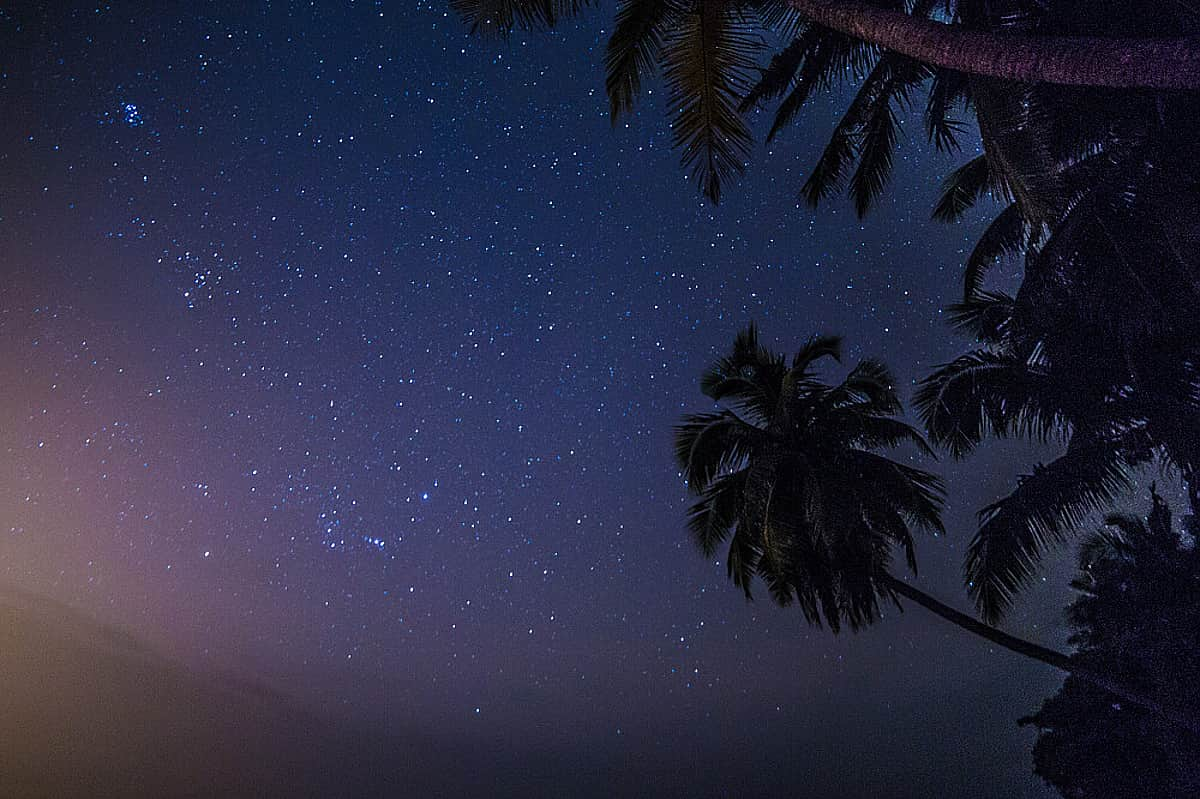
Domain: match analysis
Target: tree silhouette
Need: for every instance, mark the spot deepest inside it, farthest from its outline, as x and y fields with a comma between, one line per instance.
x=1116, y=404
x=1087, y=142
x=1136, y=616
x=1099, y=348
x=707, y=51
x=789, y=475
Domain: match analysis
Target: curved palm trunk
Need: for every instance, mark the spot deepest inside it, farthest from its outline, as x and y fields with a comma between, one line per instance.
x=1074, y=61
x=1040, y=653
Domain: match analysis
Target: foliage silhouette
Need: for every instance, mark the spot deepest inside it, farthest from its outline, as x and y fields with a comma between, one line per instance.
x=788, y=474
x=1099, y=347
x=1136, y=616
x=707, y=50
x=789, y=480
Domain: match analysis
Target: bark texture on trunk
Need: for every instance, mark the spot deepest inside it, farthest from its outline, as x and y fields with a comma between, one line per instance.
x=1058, y=660
x=1073, y=61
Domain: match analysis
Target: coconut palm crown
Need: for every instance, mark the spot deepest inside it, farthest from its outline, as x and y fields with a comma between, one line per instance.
x=788, y=473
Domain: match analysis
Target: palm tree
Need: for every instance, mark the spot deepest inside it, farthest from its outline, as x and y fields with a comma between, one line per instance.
x=1118, y=395
x=1117, y=62
x=707, y=51
x=1171, y=63
x=1135, y=615
x=788, y=474
x=1100, y=347
x=790, y=471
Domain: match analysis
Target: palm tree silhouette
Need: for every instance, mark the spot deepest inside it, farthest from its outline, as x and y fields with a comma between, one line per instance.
x=707, y=51
x=1167, y=63
x=788, y=474
x=1135, y=615
x=1013, y=387
x=1100, y=348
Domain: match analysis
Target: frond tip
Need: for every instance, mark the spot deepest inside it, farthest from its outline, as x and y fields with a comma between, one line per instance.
x=499, y=18
x=634, y=50
x=708, y=56
x=1046, y=507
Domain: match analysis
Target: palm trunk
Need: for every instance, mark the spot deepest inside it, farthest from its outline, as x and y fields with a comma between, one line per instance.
x=1042, y=654
x=1074, y=61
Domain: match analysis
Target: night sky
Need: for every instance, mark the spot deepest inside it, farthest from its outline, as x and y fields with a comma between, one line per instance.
x=340, y=351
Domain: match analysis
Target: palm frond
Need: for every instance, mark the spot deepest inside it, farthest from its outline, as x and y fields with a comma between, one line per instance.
x=798, y=382
x=829, y=54
x=781, y=17
x=947, y=91
x=880, y=131
x=1046, y=507
x=916, y=494
x=499, y=18
x=1008, y=234
x=830, y=170
x=892, y=526
x=872, y=432
x=708, y=443
x=1017, y=140
x=746, y=357
x=634, y=49
x=984, y=392
x=869, y=130
x=750, y=375
x=986, y=315
x=780, y=72
x=708, y=56
x=816, y=348
x=712, y=517
x=870, y=385
x=962, y=188
x=741, y=561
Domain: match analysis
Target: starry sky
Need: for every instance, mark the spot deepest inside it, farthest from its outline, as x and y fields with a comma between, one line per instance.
x=340, y=352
